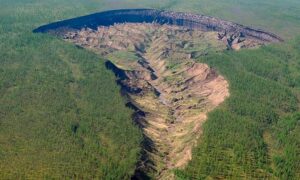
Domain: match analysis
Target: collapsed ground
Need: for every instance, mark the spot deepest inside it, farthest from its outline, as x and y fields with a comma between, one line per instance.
x=170, y=92
x=36, y=137
x=153, y=53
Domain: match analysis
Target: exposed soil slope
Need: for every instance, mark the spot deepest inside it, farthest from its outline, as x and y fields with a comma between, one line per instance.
x=172, y=93
x=153, y=56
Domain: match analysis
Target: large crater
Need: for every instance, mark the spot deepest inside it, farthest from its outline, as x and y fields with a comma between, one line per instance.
x=153, y=55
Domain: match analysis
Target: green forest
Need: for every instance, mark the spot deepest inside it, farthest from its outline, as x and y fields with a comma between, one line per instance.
x=255, y=133
x=62, y=115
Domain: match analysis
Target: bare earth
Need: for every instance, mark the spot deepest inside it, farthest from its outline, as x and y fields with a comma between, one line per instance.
x=163, y=80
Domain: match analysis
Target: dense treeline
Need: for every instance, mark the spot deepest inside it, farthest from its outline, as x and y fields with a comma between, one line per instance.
x=264, y=85
x=61, y=113
x=287, y=147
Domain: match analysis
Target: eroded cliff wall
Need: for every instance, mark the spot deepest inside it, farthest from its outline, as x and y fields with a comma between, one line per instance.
x=188, y=20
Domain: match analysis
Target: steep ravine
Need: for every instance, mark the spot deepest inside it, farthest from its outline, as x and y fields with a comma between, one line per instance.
x=153, y=55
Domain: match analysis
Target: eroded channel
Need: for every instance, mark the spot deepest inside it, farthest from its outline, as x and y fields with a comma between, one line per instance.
x=153, y=54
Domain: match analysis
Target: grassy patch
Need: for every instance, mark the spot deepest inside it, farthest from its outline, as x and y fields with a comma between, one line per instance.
x=124, y=59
